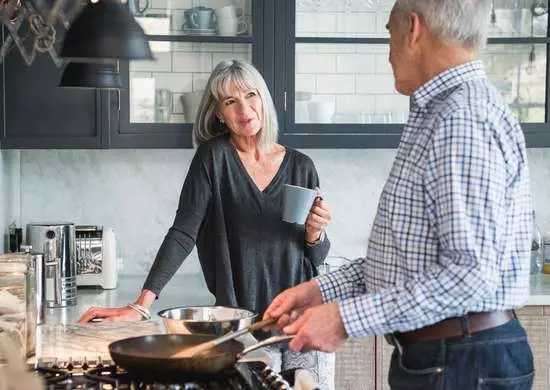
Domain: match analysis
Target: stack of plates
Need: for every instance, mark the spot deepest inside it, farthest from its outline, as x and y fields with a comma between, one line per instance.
x=199, y=31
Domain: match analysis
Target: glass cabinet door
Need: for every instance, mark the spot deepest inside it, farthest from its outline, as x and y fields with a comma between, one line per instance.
x=342, y=74
x=516, y=56
x=188, y=38
x=169, y=89
x=340, y=80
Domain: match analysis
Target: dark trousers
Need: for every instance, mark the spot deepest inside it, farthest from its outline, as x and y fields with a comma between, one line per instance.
x=495, y=359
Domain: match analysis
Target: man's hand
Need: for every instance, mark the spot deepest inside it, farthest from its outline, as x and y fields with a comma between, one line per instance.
x=320, y=328
x=290, y=303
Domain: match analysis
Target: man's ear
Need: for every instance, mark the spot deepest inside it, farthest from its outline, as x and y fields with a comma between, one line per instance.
x=417, y=28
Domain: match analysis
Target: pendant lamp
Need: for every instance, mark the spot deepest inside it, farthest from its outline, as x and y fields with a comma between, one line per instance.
x=105, y=29
x=91, y=75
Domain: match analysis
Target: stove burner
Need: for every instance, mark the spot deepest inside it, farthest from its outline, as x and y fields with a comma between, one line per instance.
x=244, y=376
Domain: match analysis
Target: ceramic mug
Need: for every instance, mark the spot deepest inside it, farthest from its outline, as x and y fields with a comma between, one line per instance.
x=228, y=23
x=321, y=112
x=297, y=202
x=200, y=18
x=191, y=102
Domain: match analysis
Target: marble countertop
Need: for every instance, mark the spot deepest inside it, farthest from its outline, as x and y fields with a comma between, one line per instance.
x=182, y=290
x=61, y=338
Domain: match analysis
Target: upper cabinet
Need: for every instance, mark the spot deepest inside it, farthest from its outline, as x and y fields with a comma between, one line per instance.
x=39, y=114
x=325, y=62
x=339, y=87
x=188, y=39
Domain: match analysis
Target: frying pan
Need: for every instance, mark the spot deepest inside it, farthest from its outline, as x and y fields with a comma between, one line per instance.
x=145, y=355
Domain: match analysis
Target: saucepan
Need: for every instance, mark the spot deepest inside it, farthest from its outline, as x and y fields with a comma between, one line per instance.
x=146, y=355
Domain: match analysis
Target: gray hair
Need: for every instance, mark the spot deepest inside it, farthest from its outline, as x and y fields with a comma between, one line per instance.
x=207, y=124
x=463, y=21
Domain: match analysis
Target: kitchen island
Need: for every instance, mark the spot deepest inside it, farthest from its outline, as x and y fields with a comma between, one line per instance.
x=360, y=364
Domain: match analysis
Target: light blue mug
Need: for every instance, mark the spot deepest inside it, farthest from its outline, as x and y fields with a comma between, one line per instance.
x=297, y=202
x=200, y=18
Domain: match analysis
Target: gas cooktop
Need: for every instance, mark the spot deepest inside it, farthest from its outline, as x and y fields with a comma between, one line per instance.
x=243, y=376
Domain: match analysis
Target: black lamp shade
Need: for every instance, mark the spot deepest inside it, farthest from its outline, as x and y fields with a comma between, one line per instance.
x=91, y=75
x=105, y=29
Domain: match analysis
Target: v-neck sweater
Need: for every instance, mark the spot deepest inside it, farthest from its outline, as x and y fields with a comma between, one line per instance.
x=248, y=254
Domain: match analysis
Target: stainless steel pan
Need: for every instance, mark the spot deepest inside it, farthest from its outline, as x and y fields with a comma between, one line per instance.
x=145, y=355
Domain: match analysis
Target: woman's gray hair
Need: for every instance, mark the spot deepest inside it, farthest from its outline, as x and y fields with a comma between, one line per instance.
x=207, y=124
x=463, y=21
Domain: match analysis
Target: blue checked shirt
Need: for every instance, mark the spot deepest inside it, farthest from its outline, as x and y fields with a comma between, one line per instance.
x=452, y=232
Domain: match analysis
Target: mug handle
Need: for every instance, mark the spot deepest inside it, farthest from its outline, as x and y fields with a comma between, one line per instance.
x=194, y=20
x=142, y=10
x=242, y=27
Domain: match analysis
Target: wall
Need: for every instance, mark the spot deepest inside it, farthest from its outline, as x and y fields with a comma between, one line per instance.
x=9, y=192
x=136, y=192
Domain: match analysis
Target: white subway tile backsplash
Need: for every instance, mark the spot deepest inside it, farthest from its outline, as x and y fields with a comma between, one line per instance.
x=304, y=23
x=325, y=22
x=140, y=74
x=176, y=82
x=392, y=103
x=355, y=103
x=308, y=48
x=178, y=118
x=182, y=46
x=212, y=3
x=374, y=49
x=375, y=84
x=356, y=23
x=315, y=63
x=305, y=82
x=200, y=80
x=242, y=48
x=217, y=57
x=198, y=62
x=382, y=64
x=355, y=63
x=381, y=23
x=336, y=84
x=161, y=63
x=171, y=4
x=335, y=48
x=213, y=47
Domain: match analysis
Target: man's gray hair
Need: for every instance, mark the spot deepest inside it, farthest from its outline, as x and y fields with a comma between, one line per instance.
x=462, y=21
x=243, y=75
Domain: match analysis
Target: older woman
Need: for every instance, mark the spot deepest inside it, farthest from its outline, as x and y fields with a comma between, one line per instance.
x=230, y=207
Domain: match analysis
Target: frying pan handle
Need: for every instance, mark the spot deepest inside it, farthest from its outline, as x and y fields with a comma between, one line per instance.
x=250, y=328
x=266, y=342
x=261, y=324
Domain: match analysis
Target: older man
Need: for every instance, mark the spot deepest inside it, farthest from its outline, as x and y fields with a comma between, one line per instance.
x=448, y=255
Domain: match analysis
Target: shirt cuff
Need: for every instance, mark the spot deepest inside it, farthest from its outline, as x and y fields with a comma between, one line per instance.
x=362, y=316
x=330, y=290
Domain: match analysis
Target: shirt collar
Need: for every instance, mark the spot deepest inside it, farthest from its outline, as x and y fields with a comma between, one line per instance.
x=448, y=79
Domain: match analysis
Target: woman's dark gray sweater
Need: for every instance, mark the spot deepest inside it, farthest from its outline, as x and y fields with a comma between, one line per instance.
x=247, y=253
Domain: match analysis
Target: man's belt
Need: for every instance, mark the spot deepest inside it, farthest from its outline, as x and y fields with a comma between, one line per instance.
x=456, y=327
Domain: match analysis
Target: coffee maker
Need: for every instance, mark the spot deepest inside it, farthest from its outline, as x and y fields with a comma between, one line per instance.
x=56, y=241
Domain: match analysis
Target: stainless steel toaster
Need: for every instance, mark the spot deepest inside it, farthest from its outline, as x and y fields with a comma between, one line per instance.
x=96, y=257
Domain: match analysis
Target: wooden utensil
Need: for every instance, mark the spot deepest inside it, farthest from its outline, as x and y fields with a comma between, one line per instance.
x=195, y=350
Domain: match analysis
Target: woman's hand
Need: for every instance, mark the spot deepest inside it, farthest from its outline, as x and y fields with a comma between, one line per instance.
x=123, y=314
x=318, y=219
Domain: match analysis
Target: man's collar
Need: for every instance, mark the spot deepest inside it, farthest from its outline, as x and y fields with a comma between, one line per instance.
x=448, y=79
